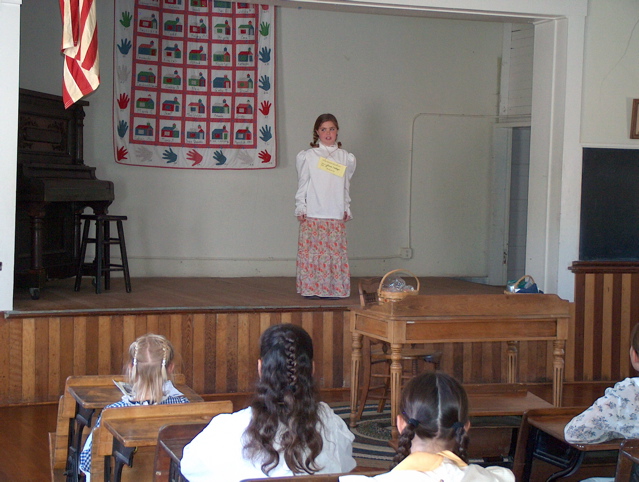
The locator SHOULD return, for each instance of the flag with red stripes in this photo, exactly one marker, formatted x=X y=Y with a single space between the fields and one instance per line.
x=80 y=49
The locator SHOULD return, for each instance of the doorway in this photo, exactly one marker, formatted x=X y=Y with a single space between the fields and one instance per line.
x=518 y=203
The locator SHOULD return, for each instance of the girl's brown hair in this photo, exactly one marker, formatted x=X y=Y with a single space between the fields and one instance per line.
x=318 y=122
x=434 y=406
x=285 y=410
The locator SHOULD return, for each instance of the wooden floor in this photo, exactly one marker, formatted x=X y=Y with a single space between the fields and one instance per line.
x=224 y=293
x=23 y=429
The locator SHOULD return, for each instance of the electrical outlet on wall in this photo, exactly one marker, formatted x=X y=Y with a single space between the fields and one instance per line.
x=406 y=253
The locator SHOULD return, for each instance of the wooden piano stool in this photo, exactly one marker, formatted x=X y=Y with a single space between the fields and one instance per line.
x=102 y=265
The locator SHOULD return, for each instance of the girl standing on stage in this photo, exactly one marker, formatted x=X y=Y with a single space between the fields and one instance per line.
x=433 y=424
x=285 y=430
x=322 y=206
x=149 y=372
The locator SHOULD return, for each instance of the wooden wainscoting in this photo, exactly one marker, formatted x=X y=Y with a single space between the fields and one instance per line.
x=606 y=309
x=218 y=350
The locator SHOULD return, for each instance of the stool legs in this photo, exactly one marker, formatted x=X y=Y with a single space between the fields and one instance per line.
x=83 y=252
x=102 y=265
x=99 y=255
x=125 y=260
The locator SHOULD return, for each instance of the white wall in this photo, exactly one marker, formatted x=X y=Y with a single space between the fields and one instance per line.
x=9 y=59
x=375 y=73
x=611 y=73
x=610 y=35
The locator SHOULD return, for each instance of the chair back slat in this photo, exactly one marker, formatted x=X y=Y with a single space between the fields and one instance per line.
x=315 y=478
x=367 y=288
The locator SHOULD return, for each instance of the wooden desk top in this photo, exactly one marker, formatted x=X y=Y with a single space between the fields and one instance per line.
x=97 y=397
x=516 y=403
x=465 y=318
x=424 y=307
x=554 y=425
x=133 y=432
x=173 y=438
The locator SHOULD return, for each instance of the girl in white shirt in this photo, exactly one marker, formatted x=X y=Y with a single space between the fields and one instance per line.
x=322 y=206
x=433 y=424
x=285 y=431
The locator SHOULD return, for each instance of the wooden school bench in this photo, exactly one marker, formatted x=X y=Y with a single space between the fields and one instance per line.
x=123 y=430
x=82 y=397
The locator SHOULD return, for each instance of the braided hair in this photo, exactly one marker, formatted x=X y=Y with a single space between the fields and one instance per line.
x=434 y=406
x=285 y=406
x=318 y=122
x=150 y=356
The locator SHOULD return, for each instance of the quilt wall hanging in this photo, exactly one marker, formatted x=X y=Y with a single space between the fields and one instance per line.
x=194 y=84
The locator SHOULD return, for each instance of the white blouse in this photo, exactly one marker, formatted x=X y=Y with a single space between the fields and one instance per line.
x=216 y=454
x=322 y=194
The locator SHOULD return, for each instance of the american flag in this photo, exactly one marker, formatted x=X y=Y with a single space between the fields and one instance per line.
x=80 y=48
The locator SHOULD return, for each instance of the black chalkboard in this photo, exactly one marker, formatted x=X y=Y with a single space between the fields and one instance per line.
x=609 y=205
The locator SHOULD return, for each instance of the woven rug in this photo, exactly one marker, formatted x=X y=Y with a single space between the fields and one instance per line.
x=373 y=431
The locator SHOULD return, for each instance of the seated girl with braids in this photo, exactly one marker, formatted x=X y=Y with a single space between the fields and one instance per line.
x=433 y=425
x=149 y=371
x=285 y=430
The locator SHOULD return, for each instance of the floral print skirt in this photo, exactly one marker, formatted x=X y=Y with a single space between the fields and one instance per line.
x=322 y=259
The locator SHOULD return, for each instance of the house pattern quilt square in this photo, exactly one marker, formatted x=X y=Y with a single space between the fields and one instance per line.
x=194 y=84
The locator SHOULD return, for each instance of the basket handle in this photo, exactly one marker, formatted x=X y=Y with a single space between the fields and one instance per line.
x=523 y=278
x=381 y=283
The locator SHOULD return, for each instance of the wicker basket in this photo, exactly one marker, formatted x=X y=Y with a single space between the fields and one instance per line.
x=525 y=278
x=385 y=296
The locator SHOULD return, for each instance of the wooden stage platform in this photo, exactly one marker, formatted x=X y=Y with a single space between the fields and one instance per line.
x=228 y=294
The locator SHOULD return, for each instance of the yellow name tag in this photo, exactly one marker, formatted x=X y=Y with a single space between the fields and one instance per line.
x=331 y=167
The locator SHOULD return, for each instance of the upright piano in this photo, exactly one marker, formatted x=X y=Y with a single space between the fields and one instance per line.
x=54 y=186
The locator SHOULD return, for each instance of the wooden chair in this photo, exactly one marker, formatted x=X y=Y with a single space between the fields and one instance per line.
x=375 y=353
x=59 y=441
x=628 y=461
x=171 y=442
x=138 y=427
x=315 y=478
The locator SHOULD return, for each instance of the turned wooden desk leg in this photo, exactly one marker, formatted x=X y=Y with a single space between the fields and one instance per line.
x=395 y=385
x=356 y=363
x=559 y=354
x=513 y=350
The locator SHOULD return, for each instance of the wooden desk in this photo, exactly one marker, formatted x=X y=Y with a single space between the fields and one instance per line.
x=88 y=399
x=494 y=400
x=461 y=318
x=171 y=442
x=543 y=433
x=124 y=430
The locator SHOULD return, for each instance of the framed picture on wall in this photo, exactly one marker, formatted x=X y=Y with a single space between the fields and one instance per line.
x=634 y=123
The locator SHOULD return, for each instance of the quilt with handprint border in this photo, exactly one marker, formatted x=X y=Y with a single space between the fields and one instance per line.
x=194 y=84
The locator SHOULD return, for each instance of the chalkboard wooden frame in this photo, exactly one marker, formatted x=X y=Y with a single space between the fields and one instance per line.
x=634 y=124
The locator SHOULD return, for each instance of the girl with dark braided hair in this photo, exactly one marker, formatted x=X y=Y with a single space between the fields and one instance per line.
x=433 y=424
x=284 y=431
